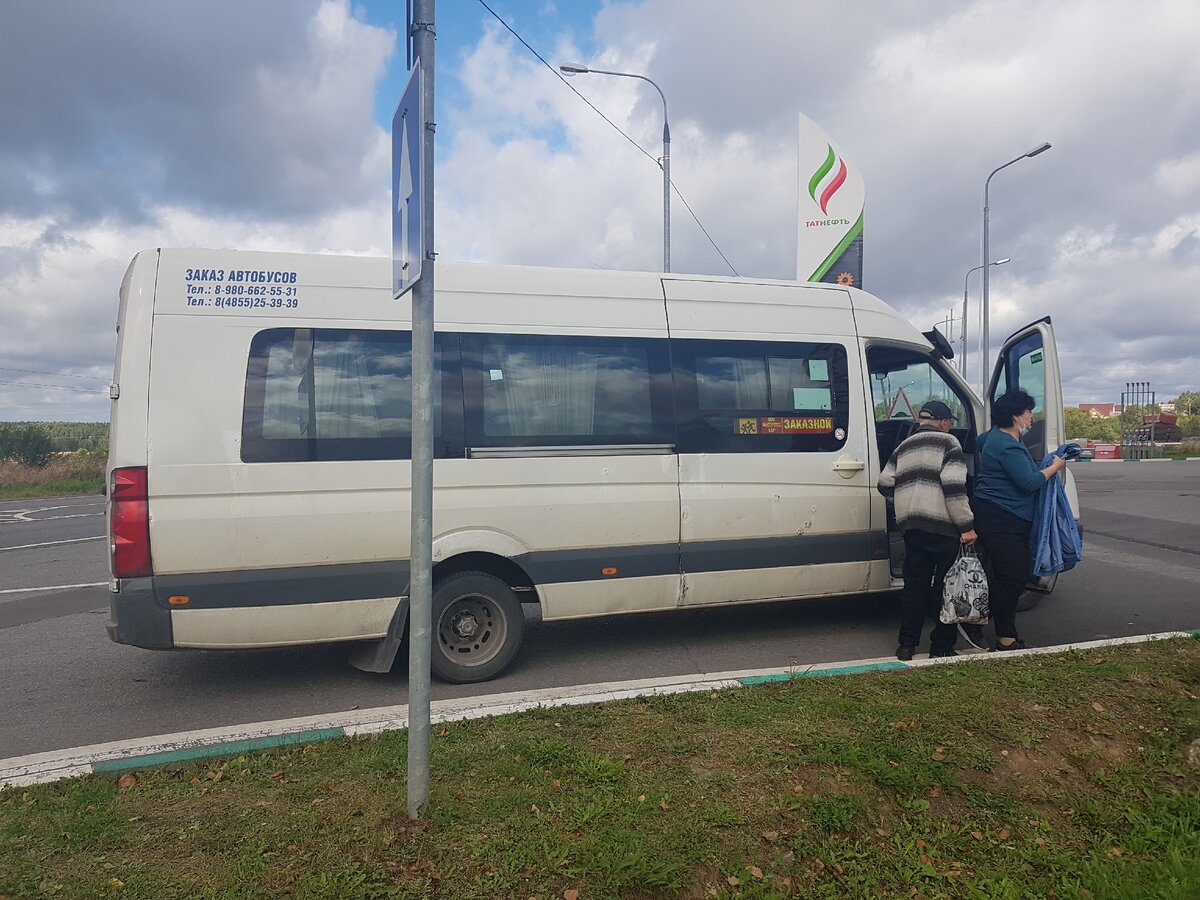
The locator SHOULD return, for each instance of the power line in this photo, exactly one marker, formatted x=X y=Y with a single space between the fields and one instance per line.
x=54 y=374
x=55 y=387
x=616 y=127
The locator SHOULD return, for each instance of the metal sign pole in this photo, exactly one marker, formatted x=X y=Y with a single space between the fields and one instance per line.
x=421 y=551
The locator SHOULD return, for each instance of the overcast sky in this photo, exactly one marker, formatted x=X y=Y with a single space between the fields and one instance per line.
x=130 y=125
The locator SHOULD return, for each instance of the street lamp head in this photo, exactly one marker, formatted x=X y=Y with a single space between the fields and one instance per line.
x=581 y=69
x=1042 y=148
x=1001 y=262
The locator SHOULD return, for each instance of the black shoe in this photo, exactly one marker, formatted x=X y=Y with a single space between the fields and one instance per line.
x=905 y=652
x=942 y=651
x=1015 y=645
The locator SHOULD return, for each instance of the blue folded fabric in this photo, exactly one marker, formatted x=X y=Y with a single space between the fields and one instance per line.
x=1068 y=451
x=1054 y=539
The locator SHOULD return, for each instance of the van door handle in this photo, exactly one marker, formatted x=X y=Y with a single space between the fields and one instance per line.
x=846 y=466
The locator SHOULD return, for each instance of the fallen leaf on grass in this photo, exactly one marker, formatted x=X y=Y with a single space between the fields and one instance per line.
x=937 y=755
x=770 y=835
x=126 y=781
x=921 y=845
x=1115 y=851
x=733 y=881
x=936 y=792
x=1098 y=707
x=1004 y=834
x=1040 y=841
x=641 y=798
x=570 y=894
x=798 y=789
x=978 y=835
x=756 y=871
x=664 y=806
x=926 y=859
x=533 y=808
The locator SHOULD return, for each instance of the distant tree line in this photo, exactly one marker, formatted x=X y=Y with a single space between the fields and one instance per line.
x=1110 y=429
x=33 y=443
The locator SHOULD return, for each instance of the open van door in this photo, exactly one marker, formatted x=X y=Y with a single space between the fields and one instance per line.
x=1029 y=361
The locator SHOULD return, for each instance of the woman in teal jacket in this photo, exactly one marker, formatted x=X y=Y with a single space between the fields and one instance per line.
x=1006 y=496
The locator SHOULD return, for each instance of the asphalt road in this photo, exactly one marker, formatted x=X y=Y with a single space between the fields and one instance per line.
x=64 y=684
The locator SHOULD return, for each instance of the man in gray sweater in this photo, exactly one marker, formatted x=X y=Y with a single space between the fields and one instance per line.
x=926 y=481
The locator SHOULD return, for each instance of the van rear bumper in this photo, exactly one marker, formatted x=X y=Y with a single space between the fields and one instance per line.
x=134 y=618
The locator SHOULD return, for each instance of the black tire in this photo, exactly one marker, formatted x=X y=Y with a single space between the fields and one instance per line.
x=478 y=625
x=1028 y=600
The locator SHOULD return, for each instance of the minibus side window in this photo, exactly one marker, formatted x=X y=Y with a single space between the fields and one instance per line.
x=329 y=394
x=555 y=390
x=760 y=396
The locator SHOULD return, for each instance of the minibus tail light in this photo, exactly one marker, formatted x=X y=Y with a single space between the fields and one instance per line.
x=129 y=524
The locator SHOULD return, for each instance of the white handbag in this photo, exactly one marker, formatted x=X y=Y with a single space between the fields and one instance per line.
x=965 y=595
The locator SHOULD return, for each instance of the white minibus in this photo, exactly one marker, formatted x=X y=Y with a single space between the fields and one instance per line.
x=607 y=442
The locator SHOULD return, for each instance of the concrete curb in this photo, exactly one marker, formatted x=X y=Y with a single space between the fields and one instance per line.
x=168 y=749
x=1161 y=459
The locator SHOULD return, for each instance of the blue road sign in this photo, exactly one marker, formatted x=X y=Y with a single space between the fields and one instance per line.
x=408 y=130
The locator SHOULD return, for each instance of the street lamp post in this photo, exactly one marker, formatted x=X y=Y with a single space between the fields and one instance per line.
x=962 y=362
x=984 y=336
x=580 y=69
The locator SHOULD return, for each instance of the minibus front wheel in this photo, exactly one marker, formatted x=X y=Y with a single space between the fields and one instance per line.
x=478 y=625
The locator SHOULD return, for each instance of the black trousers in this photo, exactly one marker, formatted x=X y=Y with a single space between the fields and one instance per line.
x=1005 y=542
x=927 y=558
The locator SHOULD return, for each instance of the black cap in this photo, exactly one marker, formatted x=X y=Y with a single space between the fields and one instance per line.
x=935 y=409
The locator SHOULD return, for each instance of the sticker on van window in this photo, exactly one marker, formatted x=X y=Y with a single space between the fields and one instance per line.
x=795 y=425
x=1035 y=358
x=237 y=290
x=786 y=425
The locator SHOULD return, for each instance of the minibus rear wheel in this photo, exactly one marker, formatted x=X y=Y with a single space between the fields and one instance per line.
x=478 y=625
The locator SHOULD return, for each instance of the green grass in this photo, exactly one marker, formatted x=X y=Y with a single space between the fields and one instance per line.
x=66 y=473
x=52 y=488
x=1065 y=776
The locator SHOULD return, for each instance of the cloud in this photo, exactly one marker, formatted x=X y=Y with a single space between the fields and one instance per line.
x=113 y=109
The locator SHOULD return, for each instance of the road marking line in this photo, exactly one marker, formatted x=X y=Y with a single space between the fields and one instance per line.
x=52 y=587
x=52 y=543
x=136 y=753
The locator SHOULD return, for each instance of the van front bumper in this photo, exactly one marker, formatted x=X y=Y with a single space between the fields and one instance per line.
x=135 y=618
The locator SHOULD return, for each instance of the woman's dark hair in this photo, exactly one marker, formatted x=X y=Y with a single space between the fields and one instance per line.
x=1008 y=406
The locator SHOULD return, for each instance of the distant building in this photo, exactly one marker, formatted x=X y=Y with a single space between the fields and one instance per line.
x=1101 y=410
x=1168 y=407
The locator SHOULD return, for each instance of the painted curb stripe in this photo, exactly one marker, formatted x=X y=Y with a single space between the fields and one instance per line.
x=234 y=748
x=121 y=756
x=822 y=673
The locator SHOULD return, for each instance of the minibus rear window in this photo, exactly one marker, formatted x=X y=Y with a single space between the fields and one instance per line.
x=329 y=394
